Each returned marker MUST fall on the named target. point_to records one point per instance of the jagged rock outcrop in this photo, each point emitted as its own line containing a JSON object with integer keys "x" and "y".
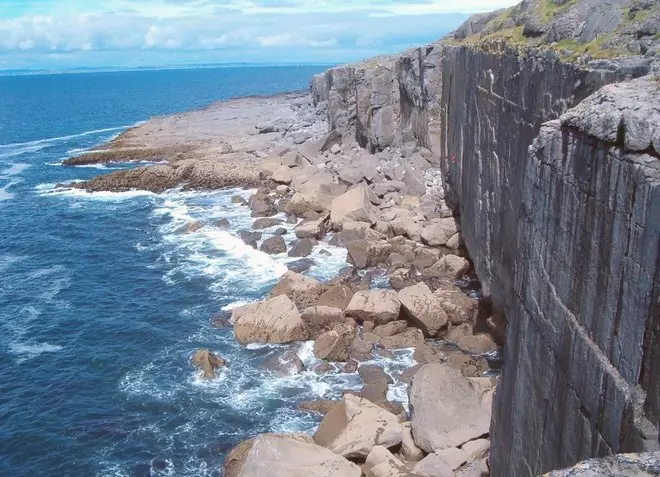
{"x": 621, "y": 465}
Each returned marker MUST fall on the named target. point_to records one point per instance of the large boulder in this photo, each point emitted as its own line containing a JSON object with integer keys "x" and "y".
{"x": 450, "y": 266}
{"x": 439, "y": 231}
{"x": 288, "y": 455}
{"x": 284, "y": 364}
{"x": 301, "y": 248}
{"x": 262, "y": 205}
{"x": 337, "y": 296}
{"x": 368, "y": 253}
{"x": 382, "y": 463}
{"x": 411, "y": 338}
{"x": 319, "y": 319}
{"x": 354, "y": 426}
{"x": 273, "y": 245}
{"x": 390, "y": 329}
{"x": 447, "y": 409}
{"x": 304, "y": 291}
{"x": 377, "y": 306}
{"x": 250, "y": 238}
{"x": 353, "y": 205}
{"x": 273, "y": 321}
{"x": 459, "y": 307}
{"x": 311, "y": 228}
{"x": 423, "y": 309}
{"x": 208, "y": 362}
{"x": 266, "y": 222}
{"x": 334, "y": 345}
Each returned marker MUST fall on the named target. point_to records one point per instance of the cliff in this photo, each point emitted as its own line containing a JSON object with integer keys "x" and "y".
{"x": 555, "y": 178}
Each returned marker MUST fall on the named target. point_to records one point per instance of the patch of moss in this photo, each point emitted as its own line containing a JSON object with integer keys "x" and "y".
{"x": 547, "y": 9}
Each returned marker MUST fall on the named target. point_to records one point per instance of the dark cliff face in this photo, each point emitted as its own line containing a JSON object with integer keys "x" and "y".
{"x": 561, "y": 219}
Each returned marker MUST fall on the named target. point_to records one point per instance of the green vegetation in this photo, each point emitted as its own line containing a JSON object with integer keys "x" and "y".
{"x": 547, "y": 9}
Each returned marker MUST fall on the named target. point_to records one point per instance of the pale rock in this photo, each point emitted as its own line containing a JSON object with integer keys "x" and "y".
{"x": 367, "y": 253}
{"x": 448, "y": 410}
{"x": 460, "y": 308}
{"x": 438, "y": 231}
{"x": 409, "y": 449}
{"x": 354, "y": 426}
{"x": 319, "y": 319}
{"x": 423, "y": 309}
{"x": 378, "y": 306}
{"x": 455, "y": 241}
{"x": 433, "y": 466}
{"x": 311, "y": 228}
{"x": 354, "y": 205}
{"x": 208, "y": 362}
{"x": 410, "y": 338}
{"x": 272, "y": 321}
{"x": 448, "y": 266}
{"x": 381, "y": 463}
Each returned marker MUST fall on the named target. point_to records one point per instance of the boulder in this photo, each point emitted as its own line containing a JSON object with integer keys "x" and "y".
{"x": 193, "y": 226}
{"x": 426, "y": 257}
{"x": 334, "y": 345}
{"x": 354, "y": 426}
{"x": 382, "y": 463}
{"x": 282, "y": 175}
{"x": 438, "y": 231}
{"x": 353, "y": 205}
{"x": 410, "y": 338}
{"x": 459, "y": 307}
{"x": 319, "y": 319}
{"x": 451, "y": 266}
{"x": 367, "y": 253}
{"x": 378, "y": 306}
{"x": 272, "y": 321}
{"x": 425, "y": 353}
{"x": 337, "y": 296}
{"x": 223, "y": 222}
{"x": 300, "y": 266}
{"x": 433, "y": 466}
{"x": 467, "y": 365}
{"x": 237, "y": 199}
{"x": 447, "y": 409}
{"x": 280, "y": 231}
{"x": 250, "y": 238}
{"x": 281, "y": 190}
{"x": 390, "y": 329}
{"x": 350, "y": 366}
{"x": 409, "y": 449}
{"x": 423, "y": 309}
{"x": 320, "y": 406}
{"x": 372, "y": 373}
{"x": 273, "y": 245}
{"x": 286, "y": 455}
{"x": 361, "y": 350}
{"x": 208, "y": 362}
{"x": 314, "y": 229}
{"x": 262, "y": 205}
{"x": 477, "y": 344}
{"x": 455, "y": 241}
{"x": 304, "y": 291}
{"x": 302, "y": 248}
{"x": 497, "y": 326}
{"x": 265, "y": 222}
{"x": 284, "y": 364}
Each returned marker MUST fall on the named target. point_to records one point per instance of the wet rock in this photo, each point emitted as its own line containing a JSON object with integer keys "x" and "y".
{"x": 237, "y": 199}
{"x": 469, "y": 366}
{"x": 334, "y": 345}
{"x": 323, "y": 368}
{"x": 355, "y": 426}
{"x": 273, "y": 321}
{"x": 286, "y": 455}
{"x": 273, "y": 245}
{"x": 361, "y": 350}
{"x": 371, "y": 373}
{"x": 280, "y": 231}
{"x": 208, "y": 362}
{"x": 223, "y": 222}
{"x": 378, "y": 306}
{"x": 337, "y": 296}
{"x": 262, "y": 205}
{"x": 425, "y": 353}
{"x": 284, "y": 364}
{"x": 300, "y": 266}
{"x": 302, "y": 248}
{"x": 350, "y": 366}
{"x": 477, "y": 344}
{"x": 448, "y": 410}
{"x": 265, "y": 222}
{"x": 250, "y": 238}
{"x": 422, "y": 308}
{"x": 193, "y": 226}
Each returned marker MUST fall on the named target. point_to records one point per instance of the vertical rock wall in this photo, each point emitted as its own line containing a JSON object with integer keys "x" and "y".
{"x": 563, "y": 234}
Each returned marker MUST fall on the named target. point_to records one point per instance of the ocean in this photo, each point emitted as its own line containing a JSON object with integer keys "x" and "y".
{"x": 103, "y": 298}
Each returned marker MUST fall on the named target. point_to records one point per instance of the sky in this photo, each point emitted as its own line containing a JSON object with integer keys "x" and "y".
{"x": 62, "y": 34}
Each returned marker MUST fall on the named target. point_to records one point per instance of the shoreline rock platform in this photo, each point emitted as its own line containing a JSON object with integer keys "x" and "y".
{"x": 494, "y": 153}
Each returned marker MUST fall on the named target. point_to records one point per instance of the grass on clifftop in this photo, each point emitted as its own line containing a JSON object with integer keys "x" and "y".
{"x": 548, "y": 9}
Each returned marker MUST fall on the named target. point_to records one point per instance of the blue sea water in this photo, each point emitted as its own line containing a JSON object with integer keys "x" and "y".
{"x": 104, "y": 298}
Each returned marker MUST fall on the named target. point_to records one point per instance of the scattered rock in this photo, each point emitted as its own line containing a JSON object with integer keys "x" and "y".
{"x": 250, "y": 238}
{"x": 337, "y": 296}
{"x": 350, "y": 366}
{"x": 353, "y": 427}
{"x": 302, "y": 248}
{"x": 280, "y": 231}
{"x": 353, "y": 205}
{"x": 266, "y": 222}
{"x": 423, "y": 309}
{"x": 300, "y": 266}
{"x": 439, "y": 231}
{"x": 448, "y": 266}
{"x": 477, "y": 344}
{"x": 208, "y": 362}
{"x": 334, "y": 345}
{"x": 281, "y": 190}
{"x": 278, "y": 455}
{"x": 223, "y": 222}
{"x": 381, "y": 463}
{"x": 372, "y": 373}
{"x": 273, "y": 245}
{"x": 262, "y": 205}
{"x": 410, "y": 338}
{"x": 323, "y": 368}
{"x": 459, "y": 307}
{"x": 425, "y": 354}
{"x": 237, "y": 199}
{"x": 409, "y": 449}
{"x": 432, "y": 466}
{"x": 378, "y": 306}
{"x": 273, "y": 321}
{"x": 193, "y": 226}
{"x": 390, "y": 329}
{"x": 304, "y": 291}
{"x": 311, "y": 228}
{"x": 448, "y": 410}
{"x": 469, "y": 366}
{"x": 319, "y": 319}
{"x": 284, "y": 364}
{"x": 367, "y": 253}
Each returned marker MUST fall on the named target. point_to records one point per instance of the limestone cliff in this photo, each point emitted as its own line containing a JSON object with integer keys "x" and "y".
{"x": 557, "y": 192}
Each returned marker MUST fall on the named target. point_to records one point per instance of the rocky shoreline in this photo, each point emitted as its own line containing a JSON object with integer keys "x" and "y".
{"x": 387, "y": 210}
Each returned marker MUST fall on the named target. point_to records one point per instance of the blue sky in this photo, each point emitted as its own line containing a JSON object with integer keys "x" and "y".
{"x": 62, "y": 34}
